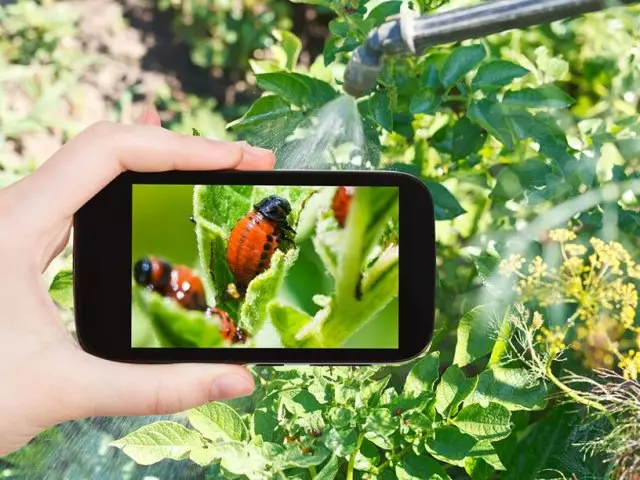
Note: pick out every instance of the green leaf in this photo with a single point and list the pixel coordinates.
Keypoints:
(367, 457)
(548, 437)
(490, 423)
(320, 91)
(502, 347)
(341, 442)
(157, 441)
(216, 420)
(426, 100)
(286, 85)
(477, 333)
(478, 469)
(384, 10)
(545, 96)
(61, 289)
(446, 207)
(288, 321)
(511, 387)
(453, 388)
(543, 129)
(270, 107)
(414, 467)
(490, 115)
(370, 393)
(264, 423)
(496, 74)
(380, 107)
(467, 138)
(381, 421)
(422, 376)
(484, 450)
(174, 325)
(294, 457)
(461, 61)
(330, 469)
(450, 445)
(291, 45)
(263, 289)
(514, 180)
(241, 458)
(301, 403)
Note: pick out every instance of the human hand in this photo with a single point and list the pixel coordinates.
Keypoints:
(45, 378)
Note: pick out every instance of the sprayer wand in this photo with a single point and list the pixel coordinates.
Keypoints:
(410, 35)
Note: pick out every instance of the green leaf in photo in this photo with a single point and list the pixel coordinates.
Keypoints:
(414, 467)
(262, 289)
(294, 457)
(269, 107)
(545, 96)
(176, 326)
(450, 445)
(467, 138)
(159, 441)
(61, 289)
(477, 333)
(422, 376)
(460, 62)
(511, 387)
(216, 420)
(286, 85)
(490, 115)
(496, 74)
(380, 106)
(547, 438)
(490, 423)
(341, 443)
(289, 321)
(453, 389)
(426, 100)
(446, 207)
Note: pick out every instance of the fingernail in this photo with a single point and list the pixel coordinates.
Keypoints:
(230, 386)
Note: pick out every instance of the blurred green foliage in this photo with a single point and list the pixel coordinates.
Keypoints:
(225, 34)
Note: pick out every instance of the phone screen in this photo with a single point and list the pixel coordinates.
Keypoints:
(221, 266)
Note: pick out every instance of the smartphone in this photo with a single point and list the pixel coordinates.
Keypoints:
(268, 267)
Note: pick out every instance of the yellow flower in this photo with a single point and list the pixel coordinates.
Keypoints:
(599, 288)
(554, 338)
(562, 235)
(511, 265)
(630, 364)
(575, 249)
(537, 321)
(537, 268)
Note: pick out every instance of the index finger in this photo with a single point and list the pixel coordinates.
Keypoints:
(90, 161)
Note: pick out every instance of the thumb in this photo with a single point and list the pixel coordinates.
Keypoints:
(149, 116)
(104, 388)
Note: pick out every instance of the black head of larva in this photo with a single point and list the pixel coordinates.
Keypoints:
(142, 271)
(275, 208)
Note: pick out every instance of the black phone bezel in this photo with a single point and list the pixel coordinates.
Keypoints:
(102, 270)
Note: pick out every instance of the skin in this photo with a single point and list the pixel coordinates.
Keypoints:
(45, 377)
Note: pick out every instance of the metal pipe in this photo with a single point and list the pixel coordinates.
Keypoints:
(412, 35)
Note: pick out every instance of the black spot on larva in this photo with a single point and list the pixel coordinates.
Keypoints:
(261, 265)
(267, 246)
(264, 256)
(269, 238)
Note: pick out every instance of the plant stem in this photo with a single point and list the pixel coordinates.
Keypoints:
(352, 459)
(313, 472)
(575, 395)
